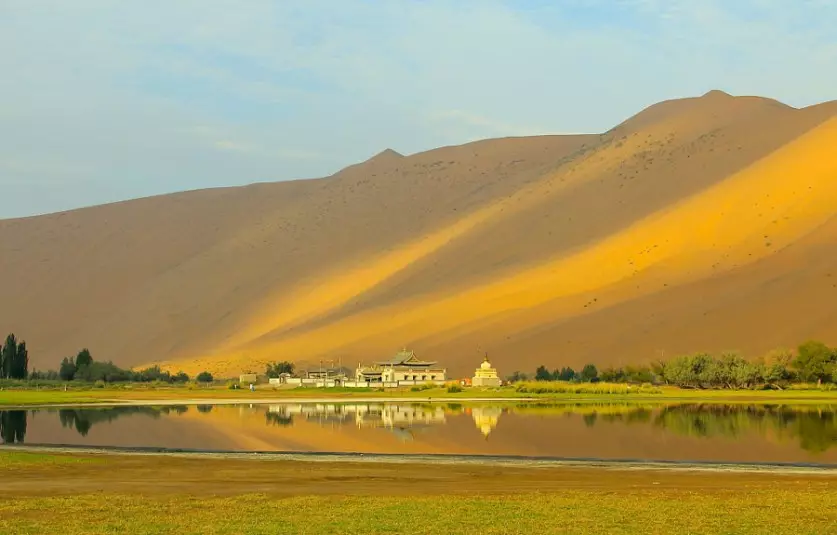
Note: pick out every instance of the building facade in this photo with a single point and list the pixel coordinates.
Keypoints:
(486, 375)
(404, 367)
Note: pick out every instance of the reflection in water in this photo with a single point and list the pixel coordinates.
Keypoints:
(486, 418)
(813, 428)
(83, 419)
(12, 426)
(402, 420)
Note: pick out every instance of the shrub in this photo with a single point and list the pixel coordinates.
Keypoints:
(99, 384)
(204, 377)
(453, 389)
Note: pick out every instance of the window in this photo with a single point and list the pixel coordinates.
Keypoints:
(432, 377)
(423, 377)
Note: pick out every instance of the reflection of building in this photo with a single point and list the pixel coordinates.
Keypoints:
(486, 418)
(485, 375)
(396, 418)
(403, 367)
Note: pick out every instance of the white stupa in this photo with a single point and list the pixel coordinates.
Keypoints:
(485, 375)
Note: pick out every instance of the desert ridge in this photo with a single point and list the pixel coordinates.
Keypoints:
(677, 230)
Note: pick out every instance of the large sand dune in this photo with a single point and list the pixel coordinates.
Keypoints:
(698, 224)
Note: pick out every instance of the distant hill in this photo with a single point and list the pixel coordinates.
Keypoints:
(705, 223)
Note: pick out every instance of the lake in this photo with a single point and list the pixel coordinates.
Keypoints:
(677, 432)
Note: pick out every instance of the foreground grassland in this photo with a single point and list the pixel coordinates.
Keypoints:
(138, 393)
(76, 493)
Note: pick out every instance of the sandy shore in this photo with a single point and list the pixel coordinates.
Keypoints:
(438, 460)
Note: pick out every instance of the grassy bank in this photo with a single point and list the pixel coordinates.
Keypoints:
(163, 494)
(85, 394)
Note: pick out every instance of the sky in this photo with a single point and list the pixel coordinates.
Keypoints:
(106, 100)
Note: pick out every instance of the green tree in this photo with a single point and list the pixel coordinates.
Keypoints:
(566, 374)
(776, 368)
(67, 371)
(180, 377)
(814, 361)
(8, 356)
(542, 374)
(516, 377)
(277, 368)
(84, 358)
(589, 374)
(204, 377)
(20, 366)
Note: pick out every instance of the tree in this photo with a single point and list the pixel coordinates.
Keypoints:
(83, 358)
(180, 377)
(516, 377)
(20, 366)
(204, 377)
(67, 371)
(566, 374)
(815, 361)
(589, 374)
(277, 368)
(8, 356)
(542, 374)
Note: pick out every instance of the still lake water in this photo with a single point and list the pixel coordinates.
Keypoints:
(681, 432)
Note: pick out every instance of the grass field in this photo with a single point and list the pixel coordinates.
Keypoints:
(137, 393)
(75, 494)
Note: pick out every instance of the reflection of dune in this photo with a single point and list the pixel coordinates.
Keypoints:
(697, 224)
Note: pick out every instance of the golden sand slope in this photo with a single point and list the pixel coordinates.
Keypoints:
(687, 227)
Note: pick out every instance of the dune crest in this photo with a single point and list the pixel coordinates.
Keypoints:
(674, 230)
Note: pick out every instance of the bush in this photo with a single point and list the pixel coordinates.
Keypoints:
(233, 386)
(453, 389)
(204, 377)
(99, 384)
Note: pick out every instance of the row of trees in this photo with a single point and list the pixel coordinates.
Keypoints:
(14, 364)
(14, 359)
(813, 362)
(588, 374)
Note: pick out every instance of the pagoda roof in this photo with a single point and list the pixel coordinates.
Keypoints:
(405, 358)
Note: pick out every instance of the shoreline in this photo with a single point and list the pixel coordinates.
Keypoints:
(509, 461)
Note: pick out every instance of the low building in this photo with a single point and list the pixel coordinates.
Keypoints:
(404, 367)
(485, 375)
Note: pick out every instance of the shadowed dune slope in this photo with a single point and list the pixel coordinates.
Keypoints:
(707, 223)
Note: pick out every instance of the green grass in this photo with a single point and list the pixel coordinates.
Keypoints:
(11, 460)
(164, 494)
(647, 512)
(82, 394)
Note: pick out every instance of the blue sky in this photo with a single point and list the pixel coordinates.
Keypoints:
(104, 100)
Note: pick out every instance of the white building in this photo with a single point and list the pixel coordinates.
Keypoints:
(403, 368)
(485, 375)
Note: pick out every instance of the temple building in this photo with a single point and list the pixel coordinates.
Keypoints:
(403, 367)
(486, 375)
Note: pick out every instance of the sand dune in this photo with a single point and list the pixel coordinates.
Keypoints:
(698, 224)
